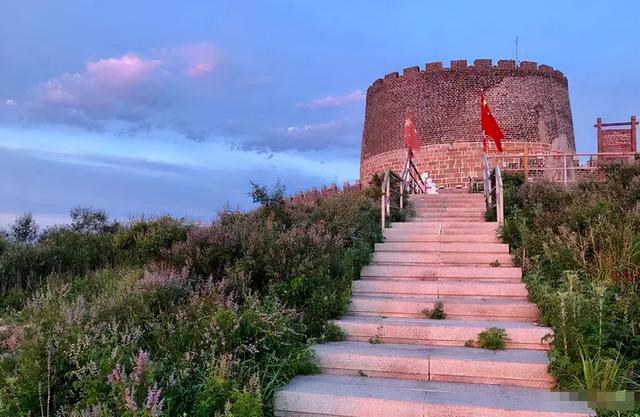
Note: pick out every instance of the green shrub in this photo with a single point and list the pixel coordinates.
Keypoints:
(580, 250)
(493, 338)
(206, 320)
(147, 240)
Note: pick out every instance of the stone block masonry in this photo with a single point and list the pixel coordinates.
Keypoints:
(449, 164)
(529, 101)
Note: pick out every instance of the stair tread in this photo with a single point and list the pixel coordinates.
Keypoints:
(439, 271)
(420, 351)
(424, 322)
(477, 264)
(314, 394)
(445, 301)
(469, 281)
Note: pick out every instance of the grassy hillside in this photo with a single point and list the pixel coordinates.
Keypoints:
(163, 317)
(580, 248)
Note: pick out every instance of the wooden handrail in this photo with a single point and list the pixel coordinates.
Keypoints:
(493, 188)
(410, 183)
(499, 193)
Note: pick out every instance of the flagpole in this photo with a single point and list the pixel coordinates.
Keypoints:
(484, 135)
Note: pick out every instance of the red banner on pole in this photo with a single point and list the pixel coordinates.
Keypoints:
(489, 126)
(411, 139)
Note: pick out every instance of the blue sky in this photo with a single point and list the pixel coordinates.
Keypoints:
(173, 107)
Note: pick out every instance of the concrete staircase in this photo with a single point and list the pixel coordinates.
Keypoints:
(398, 362)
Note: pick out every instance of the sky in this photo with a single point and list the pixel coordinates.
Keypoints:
(163, 107)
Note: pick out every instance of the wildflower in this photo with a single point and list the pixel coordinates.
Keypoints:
(129, 400)
(154, 403)
(141, 362)
(116, 376)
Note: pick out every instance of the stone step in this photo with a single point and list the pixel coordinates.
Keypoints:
(448, 197)
(460, 249)
(454, 308)
(444, 208)
(394, 235)
(351, 396)
(521, 335)
(443, 227)
(458, 203)
(448, 208)
(435, 363)
(438, 272)
(440, 289)
(473, 213)
(464, 216)
(449, 204)
(448, 218)
(481, 259)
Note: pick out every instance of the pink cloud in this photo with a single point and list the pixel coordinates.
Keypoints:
(199, 69)
(127, 91)
(103, 80)
(122, 88)
(126, 70)
(333, 101)
(194, 59)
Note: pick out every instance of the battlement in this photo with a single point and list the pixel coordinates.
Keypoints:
(479, 65)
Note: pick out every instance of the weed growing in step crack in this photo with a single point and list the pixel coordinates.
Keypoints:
(493, 338)
(437, 313)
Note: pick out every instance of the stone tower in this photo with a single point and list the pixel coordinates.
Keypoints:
(530, 103)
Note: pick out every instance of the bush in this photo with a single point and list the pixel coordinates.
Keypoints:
(580, 250)
(163, 317)
(493, 338)
(146, 240)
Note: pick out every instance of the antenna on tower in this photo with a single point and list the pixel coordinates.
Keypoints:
(517, 61)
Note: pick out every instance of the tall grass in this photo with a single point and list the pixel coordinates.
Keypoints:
(163, 317)
(580, 249)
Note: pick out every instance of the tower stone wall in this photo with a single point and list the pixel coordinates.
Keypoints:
(530, 103)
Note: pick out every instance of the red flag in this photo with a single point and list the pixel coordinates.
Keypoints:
(489, 125)
(411, 139)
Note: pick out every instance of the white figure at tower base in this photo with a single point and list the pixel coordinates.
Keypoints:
(432, 188)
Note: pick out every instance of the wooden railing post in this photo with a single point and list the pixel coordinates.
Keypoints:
(486, 177)
(499, 196)
(388, 194)
(382, 211)
(526, 163)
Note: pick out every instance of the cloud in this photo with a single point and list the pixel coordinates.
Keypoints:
(129, 186)
(315, 130)
(121, 72)
(130, 89)
(112, 89)
(196, 59)
(341, 133)
(197, 70)
(103, 80)
(192, 133)
(334, 101)
(10, 103)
